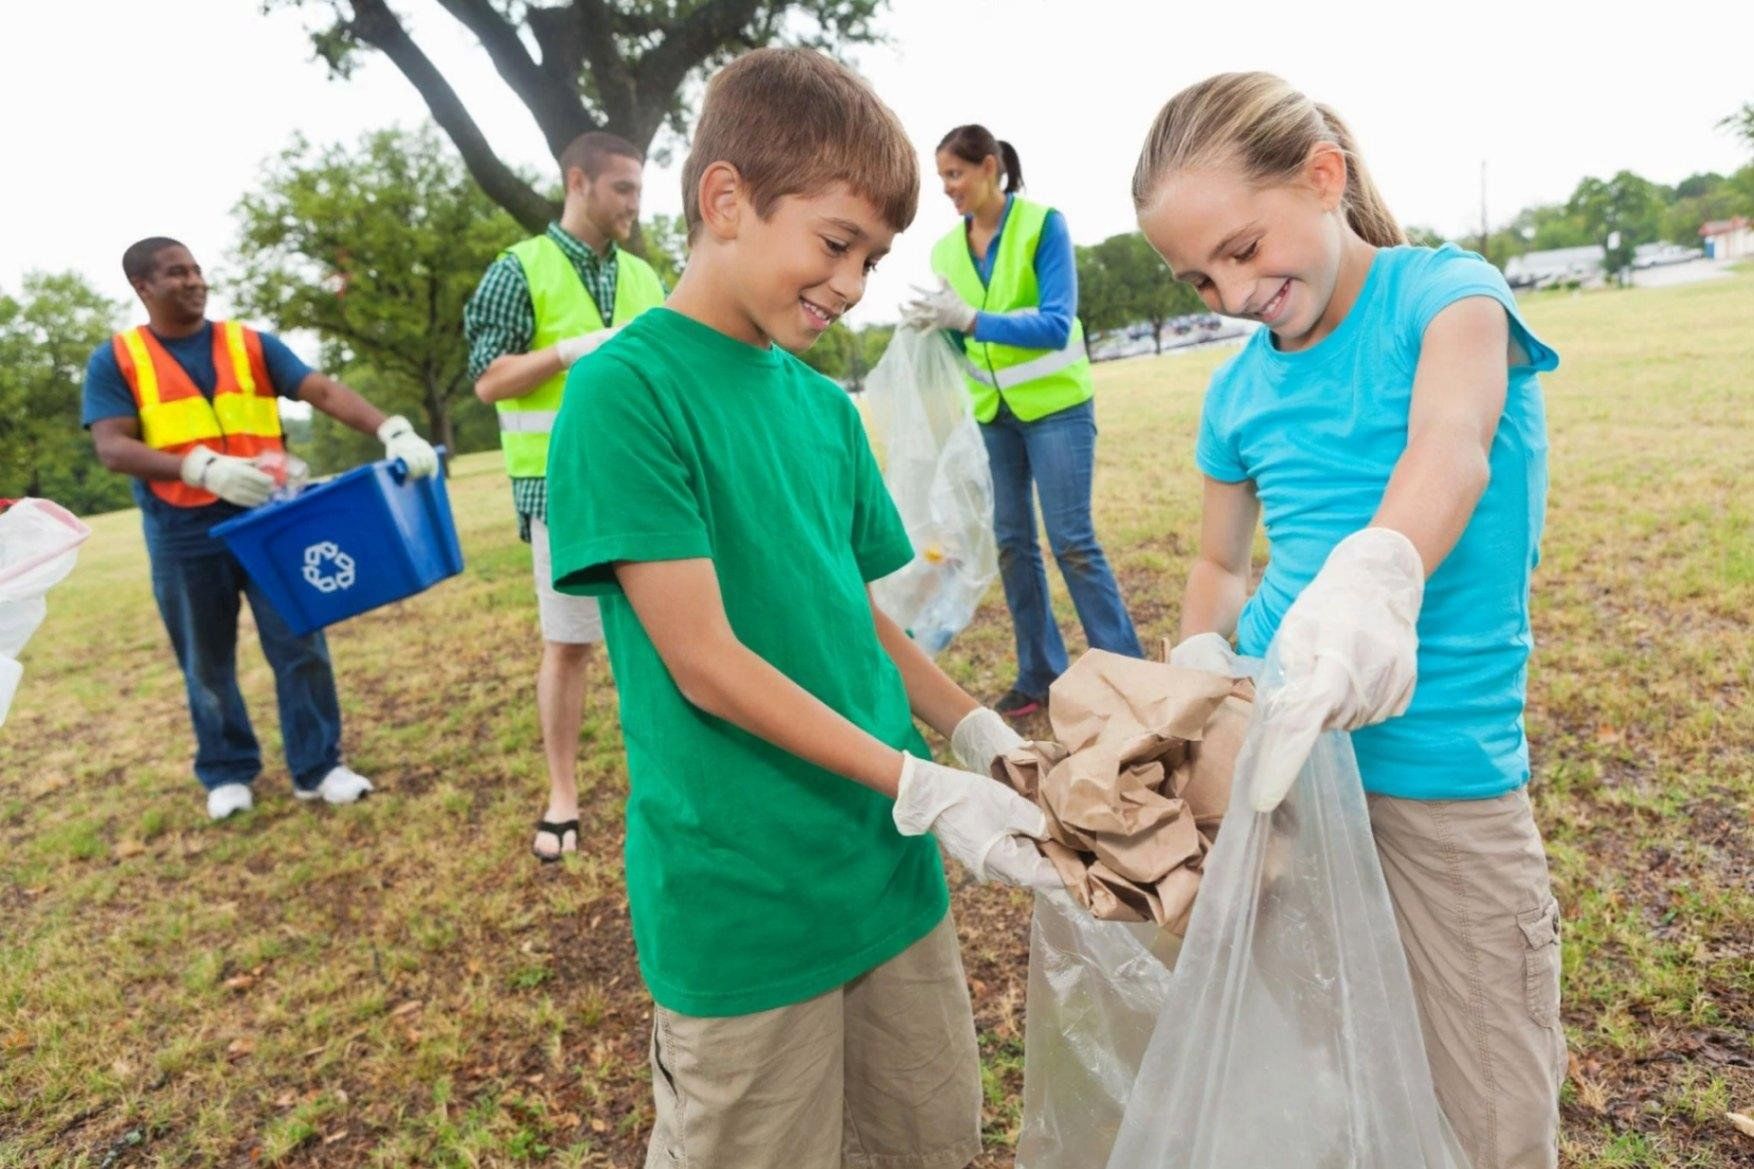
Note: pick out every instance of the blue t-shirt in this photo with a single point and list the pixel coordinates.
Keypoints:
(107, 394)
(1319, 432)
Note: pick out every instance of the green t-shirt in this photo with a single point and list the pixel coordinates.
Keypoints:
(755, 879)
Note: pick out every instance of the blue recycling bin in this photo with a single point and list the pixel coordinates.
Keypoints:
(363, 539)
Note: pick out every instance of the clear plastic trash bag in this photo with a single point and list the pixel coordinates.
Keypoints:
(39, 541)
(935, 466)
(1286, 1034)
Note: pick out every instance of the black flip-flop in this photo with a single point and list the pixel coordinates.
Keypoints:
(558, 831)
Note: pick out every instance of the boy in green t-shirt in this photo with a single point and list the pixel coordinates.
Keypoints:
(791, 919)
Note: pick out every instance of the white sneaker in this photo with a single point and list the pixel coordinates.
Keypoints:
(342, 785)
(227, 798)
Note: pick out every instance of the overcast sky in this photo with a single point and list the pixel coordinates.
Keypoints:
(125, 118)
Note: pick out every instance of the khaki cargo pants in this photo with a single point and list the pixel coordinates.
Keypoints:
(1477, 918)
(881, 1073)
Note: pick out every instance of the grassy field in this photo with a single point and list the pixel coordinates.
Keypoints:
(398, 983)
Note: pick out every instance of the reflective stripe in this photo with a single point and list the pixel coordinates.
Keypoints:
(145, 377)
(527, 421)
(1016, 375)
(178, 422)
(247, 414)
(240, 358)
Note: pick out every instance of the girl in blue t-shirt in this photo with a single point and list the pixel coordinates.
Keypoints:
(1386, 423)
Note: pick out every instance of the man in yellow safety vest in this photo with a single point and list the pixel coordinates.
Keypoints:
(543, 304)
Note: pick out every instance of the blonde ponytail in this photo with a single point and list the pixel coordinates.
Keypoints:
(1259, 122)
(1365, 209)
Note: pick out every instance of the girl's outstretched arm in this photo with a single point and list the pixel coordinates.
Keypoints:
(1458, 398)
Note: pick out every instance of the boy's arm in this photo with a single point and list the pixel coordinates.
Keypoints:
(981, 823)
(935, 700)
(681, 609)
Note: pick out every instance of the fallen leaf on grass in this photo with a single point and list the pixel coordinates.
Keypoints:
(406, 1008)
(285, 1100)
(17, 1041)
(1743, 1122)
(598, 1124)
(239, 982)
(569, 1120)
(240, 1047)
(127, 848)
(338, 1134)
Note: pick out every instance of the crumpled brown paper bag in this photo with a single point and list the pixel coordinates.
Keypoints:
(1135, 782)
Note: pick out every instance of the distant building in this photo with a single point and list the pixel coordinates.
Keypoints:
(1536, 269)
(1728, 239)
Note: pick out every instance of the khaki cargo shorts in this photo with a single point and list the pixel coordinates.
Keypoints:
(881, 1073)
(1480, 927)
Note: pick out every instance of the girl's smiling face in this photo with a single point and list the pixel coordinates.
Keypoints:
(1271, 254)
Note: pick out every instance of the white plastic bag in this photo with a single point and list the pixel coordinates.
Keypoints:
(935, 466)
(1287, 1033)
(39, 542)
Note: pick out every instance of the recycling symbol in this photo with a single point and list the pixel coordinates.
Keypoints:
(327, 568)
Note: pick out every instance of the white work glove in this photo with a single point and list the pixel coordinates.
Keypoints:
(939, 308)
(570, 349)
(1349, 650)
(233, 479)
(400, 442)
(1206, 651)
(985, 825)
(981, 737)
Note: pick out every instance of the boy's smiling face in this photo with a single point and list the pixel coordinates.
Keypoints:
(801, 267)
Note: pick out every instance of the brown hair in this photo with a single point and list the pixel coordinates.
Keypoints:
(793, 122)
(588, 152)
(975, 143)
(1259, 122)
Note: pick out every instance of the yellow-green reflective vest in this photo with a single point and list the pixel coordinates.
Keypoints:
(563, 309)
(1033, 382)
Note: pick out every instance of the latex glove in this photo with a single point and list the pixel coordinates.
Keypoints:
(985, 825)
(1349, 649)
(233, 479)
(939, 308)
(1206, 651)
(570, 349)
(981, 737)
(400, 442)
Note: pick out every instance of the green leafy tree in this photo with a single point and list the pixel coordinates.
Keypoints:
(1102, 300)
(1424, 237)
(47, 334)
(1625, 205)
(1144, 283)
(626, 66)
(375, 248)
(847, 355)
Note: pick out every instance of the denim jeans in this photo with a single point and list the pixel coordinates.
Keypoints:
(1057, 456)
(197, 583)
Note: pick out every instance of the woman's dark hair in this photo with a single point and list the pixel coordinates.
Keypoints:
(976, 144)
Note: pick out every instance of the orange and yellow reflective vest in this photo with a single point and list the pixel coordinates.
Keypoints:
(243, 418)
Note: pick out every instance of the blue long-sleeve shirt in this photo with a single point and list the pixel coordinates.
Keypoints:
(1049, 324)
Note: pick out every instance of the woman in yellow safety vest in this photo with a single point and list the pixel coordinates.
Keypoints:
(1008, 291)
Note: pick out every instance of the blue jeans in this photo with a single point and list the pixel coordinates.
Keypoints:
(197, 583)
(1057, 456)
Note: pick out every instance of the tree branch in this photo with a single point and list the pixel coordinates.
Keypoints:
(593, 24)
(707, 29)
(559, 113)
(376, 25)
